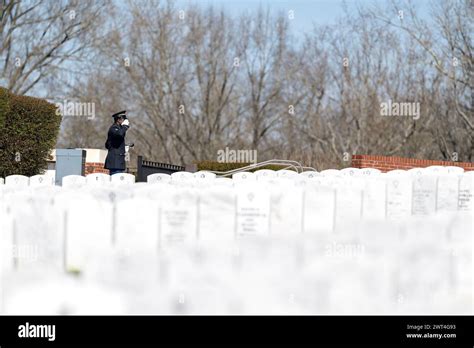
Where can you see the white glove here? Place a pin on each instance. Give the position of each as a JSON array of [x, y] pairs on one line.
[[126, 122]]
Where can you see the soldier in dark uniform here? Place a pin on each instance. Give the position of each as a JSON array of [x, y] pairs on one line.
[[115, 144]]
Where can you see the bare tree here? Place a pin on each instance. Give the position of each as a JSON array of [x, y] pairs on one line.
[[41, 37], [197, 80], [447, 41]]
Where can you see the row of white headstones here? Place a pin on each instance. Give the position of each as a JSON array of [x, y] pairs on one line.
[[383, 227], [263, 174], [351, 191]]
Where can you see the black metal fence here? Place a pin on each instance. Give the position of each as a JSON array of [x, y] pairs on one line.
[[145, 168]]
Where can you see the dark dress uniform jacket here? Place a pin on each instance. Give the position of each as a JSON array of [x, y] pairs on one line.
[[116, 145]]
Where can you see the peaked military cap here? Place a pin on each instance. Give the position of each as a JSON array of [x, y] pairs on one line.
[[121, 114]]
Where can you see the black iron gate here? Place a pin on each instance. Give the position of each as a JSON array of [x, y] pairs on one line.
[[145, 168]]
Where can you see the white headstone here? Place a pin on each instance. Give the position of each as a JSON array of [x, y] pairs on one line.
[[136, 225], [203, 179], [286, 210], [332, 181], [253, 211], [399, 191], [397, 172], [424, 195], [348, 206], [319, 208], [417, 171], [17, 181], [309, 174], [98, 179], [158, 178], [37, 236], [204, 175], [217, 212], [41, 180], [331, 172], [244, 176], [123, 178], [6, 238], [454, 170], [265, 174], [143, 189], [374, 201], [109, 193], [466, 186], [370, 172], [87, 228], [448, 190], [73, 181], [437, 169], [2, 181], [182, 177], [350, 171], [179, 216], [286, 174]]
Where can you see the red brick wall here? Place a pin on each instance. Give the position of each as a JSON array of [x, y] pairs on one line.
[[95, 167], [385, 163]]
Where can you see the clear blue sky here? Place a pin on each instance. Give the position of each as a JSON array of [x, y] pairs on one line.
[[306, 12]]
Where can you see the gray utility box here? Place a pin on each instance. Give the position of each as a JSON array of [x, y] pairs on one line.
[[69, 162]]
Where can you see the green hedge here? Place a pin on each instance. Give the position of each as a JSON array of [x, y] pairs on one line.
[[28, 131], [224, 167], [3, 105]]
